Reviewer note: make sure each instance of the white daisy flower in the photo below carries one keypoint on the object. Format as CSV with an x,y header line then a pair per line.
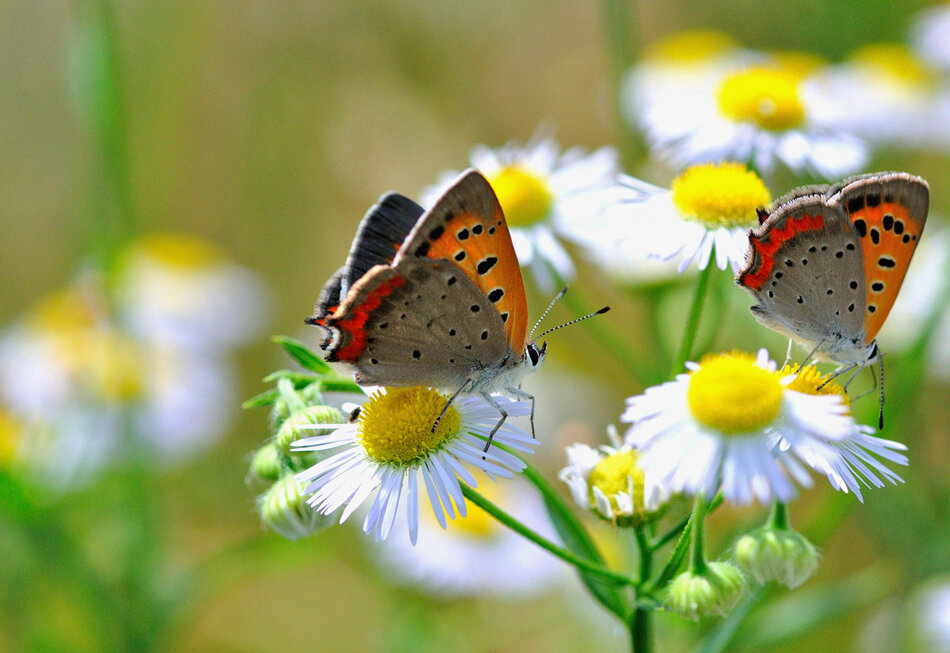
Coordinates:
x,y
734,423
392,444
544,193
932,611
931,35
610,481
181,291
883,94
477,555
756,114
710,207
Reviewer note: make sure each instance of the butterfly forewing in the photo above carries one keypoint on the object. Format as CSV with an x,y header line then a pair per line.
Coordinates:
x,y
419,322
888,211
467,227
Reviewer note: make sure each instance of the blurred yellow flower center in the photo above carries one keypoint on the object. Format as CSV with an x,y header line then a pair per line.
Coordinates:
x,y
732,394
807,381
396,426
720,194
9,436
691,46
477,524
179,251
796,63
524,197
618,473
768,98
895,61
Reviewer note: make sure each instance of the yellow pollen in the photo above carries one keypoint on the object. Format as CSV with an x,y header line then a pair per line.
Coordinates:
x,y
616,474
895,61
733,395
396,426
523,195
769,98
691,46
720,195
807,381
179,251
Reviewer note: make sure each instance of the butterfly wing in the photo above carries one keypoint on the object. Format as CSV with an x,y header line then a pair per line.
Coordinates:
x,y
378,238
804,268
467,227
888,211
419,322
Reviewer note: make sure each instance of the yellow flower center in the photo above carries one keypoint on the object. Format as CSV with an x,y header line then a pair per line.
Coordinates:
x,y
396,426
691,46
796,63
733,395
895,61
807,381
720,194
618,473
10,430
477,524
769,98
524,197
179,251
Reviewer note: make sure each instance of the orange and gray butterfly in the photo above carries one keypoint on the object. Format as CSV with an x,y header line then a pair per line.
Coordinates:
x,y
378,238
826,264
420,322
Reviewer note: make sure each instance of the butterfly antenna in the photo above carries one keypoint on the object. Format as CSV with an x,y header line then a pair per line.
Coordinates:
x,y
574,321
554,301
880,408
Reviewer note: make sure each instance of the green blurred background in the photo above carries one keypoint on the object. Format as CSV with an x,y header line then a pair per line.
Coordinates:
x,y
269,128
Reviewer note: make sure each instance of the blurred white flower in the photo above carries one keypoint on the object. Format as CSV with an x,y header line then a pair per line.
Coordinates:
x,y
545,193
931,35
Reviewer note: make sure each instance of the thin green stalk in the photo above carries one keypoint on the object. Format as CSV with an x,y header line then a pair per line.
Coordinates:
x,y
697,552
779,517
641,628
619,29
544,543
683,524
692,322
682,546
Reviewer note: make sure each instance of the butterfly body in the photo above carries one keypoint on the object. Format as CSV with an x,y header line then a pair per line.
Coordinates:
x,y
826,263
432,298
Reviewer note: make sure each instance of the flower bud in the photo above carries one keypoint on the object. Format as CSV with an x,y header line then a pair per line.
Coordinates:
x,y
299,425
778,554
266,463
714,590
284,509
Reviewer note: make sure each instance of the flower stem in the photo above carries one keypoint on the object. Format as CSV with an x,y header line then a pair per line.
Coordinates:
x,y
619,28
641,630
779,517
692,322
697,551
547,545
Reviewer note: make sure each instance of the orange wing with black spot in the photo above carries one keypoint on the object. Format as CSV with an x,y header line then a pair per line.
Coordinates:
x,y
888,211
467,227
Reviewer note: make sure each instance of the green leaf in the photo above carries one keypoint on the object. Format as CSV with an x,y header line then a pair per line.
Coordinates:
x,y
578,540
300,353
263,399
299,379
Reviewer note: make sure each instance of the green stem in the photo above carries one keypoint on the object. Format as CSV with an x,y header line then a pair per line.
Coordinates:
x,y
697,552
684,524
641,631
692,322
547,545
779,517
619,28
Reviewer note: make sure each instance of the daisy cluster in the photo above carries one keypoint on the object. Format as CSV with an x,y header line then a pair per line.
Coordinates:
x,y
136,363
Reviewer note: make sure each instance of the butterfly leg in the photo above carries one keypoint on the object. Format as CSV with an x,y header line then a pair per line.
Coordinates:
x,y
838,372
808,357
455,394
504,415
788,353
518,392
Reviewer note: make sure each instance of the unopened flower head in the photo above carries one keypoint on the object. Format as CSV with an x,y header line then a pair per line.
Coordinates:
x,y
545,193
393,443
708,208
733,423
284,509
776,554
714,590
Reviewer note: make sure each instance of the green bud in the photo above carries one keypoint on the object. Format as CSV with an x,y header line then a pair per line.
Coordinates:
x,y
778,554
298,425
266,463
283,509
714,590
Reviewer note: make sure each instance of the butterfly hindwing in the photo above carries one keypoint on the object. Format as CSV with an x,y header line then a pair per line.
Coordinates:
x,y
888,211
804,267
418,322
467,227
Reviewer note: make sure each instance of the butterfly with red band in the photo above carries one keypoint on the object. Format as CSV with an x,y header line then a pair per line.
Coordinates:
x,y
826,263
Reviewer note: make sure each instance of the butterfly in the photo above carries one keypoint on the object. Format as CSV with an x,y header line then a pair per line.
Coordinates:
x,y
826,263
432,298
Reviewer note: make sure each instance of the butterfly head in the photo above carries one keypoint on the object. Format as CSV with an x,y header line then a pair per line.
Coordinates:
x,y
534,355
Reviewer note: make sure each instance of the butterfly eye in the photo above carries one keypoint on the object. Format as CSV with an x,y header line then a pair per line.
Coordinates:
x,y
536,355
872,353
